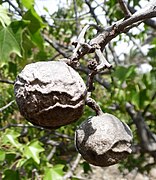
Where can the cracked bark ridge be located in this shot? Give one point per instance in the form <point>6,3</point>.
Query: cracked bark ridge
<point>103,140</point>
<point>50,94</point>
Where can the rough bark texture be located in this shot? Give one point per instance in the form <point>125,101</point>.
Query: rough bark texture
<point>103,140</point>
<point>50,94</point>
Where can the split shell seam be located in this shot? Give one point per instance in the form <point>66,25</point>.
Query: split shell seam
<point>50,94</point>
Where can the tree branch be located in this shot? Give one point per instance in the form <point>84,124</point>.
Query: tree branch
<point>103,38</point>
<point>124,25</point>
<point>136,44</point>
<point>14,7</point>
<point>91,9</point>
<point>148,106</point>
<point>55,46</point>
<point>98,79</point>
<point>115,57</point>
<point>124,8</point>
<point>6,106</point>
<point>69,174</point>
<point>149,22</point>
<point>147,138</point>
<point>22,126</point>
<point>6,81</point>
<point>76,17</point>
<point>93,104</point>
<point>51,154</point>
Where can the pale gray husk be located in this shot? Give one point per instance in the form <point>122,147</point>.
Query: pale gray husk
<point>103,140</point>
<point>50,94</point>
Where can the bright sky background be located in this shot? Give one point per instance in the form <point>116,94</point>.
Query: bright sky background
<point>51,5</point>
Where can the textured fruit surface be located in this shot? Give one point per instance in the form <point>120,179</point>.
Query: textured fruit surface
<point>103,140</point>
<point>50,94</point>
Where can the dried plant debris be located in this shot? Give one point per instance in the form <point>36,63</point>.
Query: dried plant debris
<point>103,140</point>
<point>50,94</point>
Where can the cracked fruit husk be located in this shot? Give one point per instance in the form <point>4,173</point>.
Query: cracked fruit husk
<point>50,94</point>
<point>103,140</point>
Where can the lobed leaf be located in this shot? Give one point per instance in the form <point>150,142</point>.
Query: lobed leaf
<point>54,173</point>
<point>32,150</point>
<point>8,44</point>
<point>4,18</point>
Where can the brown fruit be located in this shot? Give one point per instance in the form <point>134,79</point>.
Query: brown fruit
<point>103,140</point>
<point>50,94</point>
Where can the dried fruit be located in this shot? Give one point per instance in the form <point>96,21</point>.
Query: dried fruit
<point>50,94</point>
<point>103,140</point>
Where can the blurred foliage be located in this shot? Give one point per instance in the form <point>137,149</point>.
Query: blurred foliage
<point>29,152</point>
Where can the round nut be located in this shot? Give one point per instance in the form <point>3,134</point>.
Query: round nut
<point>103,140</point>
<point>50,94</point>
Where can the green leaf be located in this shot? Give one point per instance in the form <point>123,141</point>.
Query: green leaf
<point>35,20</point>
<point>147,80</point>
<point>123,73</point>
<point>2,155</point>
<point>34,27</point>
<point>86,167</point>
<point>37,39</point>
<point>19,28</point>
<point>152,52</point>
<point>10,157</point>
<point>32,150</point>
<point>8,44</point>
<point>13,68</point>
<point>142,98</point>
<point>28,4</point>
<point>11,136</point>
<point>11,175</point>
<point>135,2</point>
<point>134,97</point>
<point>54,173</point>
<point>19,25</point>
<point>21,162</point>
<point>4,18</point>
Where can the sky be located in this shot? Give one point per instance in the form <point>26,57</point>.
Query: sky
<point>51,5</point>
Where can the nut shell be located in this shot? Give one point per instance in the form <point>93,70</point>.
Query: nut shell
<point>50,94</point>
<point>103,140</point>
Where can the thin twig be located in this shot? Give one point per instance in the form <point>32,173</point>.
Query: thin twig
<point>52,143</point>
<point>124,8</point>
<point>63,135</point>
<point>92,12</point>
<point>115,57</point>
<point>90,80</point>
<point>102,82</point>
<point>14,7</point>
<point>51,154</point>
<point>137,45</point>
<point>21,126</point>
<point>103,62</point>
<point>96,77</point>
<point>93,104</point>
<point>35,175</point>
<point>80,40</point>
<point>55,46</point>
<point>6,81</point>
<point>76,17</point>
<point>69,174</point>
<point>148,106</point>
<point>6,106</point>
